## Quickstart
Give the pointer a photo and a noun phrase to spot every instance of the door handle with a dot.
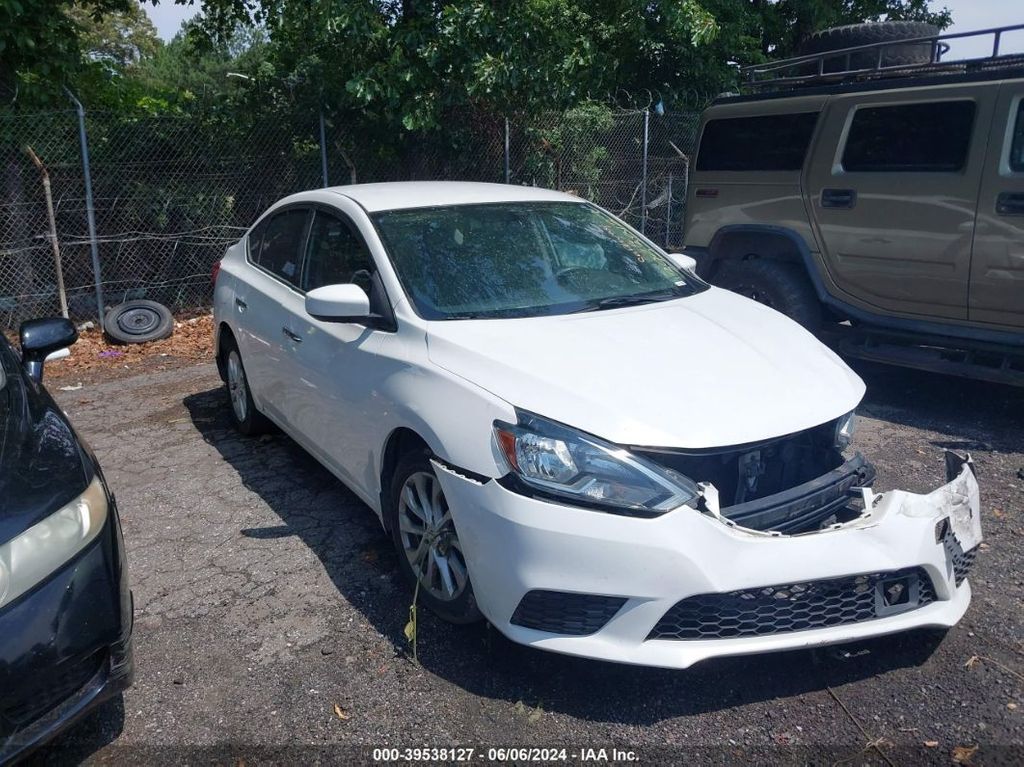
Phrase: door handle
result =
(838, 198)
(1010, 204)
(242, 306)
(292, 336)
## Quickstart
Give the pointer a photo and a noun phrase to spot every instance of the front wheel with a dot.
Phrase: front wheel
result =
(781, 286)
(423, 532)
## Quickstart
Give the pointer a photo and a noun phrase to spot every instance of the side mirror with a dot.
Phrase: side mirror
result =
(684, 262)
(338, 303)
(41, 338)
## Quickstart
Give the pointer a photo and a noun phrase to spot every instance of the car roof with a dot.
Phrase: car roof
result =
(398, 195)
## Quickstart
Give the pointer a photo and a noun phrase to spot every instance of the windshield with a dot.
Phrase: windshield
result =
(524, 260)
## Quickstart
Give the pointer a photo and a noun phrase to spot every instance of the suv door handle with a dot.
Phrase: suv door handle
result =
(242, 306)
(1010, 204)
(293, 336)
(838, 198)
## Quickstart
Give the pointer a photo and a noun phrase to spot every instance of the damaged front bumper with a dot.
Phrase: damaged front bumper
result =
(687, 586)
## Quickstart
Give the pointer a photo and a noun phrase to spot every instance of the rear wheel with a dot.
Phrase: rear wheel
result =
(776, 284)
(247, 418)
(429, 550)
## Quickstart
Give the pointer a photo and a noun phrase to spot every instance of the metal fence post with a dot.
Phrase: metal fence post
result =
(323, 148)
(90, 212)
(668, 213)
(508, 166)
(643, 180)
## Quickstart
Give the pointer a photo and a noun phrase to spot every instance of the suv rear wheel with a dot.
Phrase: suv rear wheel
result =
(783, 287)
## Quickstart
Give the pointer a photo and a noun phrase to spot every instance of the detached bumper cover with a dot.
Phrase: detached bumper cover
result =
(898, 566)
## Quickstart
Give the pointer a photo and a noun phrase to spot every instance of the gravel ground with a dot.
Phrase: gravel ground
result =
(269, 613)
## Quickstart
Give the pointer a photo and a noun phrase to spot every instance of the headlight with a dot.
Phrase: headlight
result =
(845, 427)
(43, 548)
(570, 465)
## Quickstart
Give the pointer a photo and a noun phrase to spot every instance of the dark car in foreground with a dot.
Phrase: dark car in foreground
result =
(65, 606)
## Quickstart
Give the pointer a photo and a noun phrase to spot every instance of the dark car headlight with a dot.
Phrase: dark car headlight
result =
(35, 554)
(578, 467)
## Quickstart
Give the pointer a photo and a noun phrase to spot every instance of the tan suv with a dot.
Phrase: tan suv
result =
(879, 204)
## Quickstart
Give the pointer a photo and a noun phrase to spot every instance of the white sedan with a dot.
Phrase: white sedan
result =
(566, 432)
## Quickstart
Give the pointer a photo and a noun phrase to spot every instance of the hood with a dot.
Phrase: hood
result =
(710, 370)
(42, 464)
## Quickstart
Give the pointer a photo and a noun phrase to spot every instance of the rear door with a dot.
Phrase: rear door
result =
(893, 190)
(275, 258)
(997, 269)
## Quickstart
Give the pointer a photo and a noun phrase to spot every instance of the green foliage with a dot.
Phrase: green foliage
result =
(571, 147)
(40, 45)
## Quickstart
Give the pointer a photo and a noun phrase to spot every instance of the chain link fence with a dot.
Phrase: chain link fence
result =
(169, 194)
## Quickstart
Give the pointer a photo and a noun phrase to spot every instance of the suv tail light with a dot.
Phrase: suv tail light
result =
(215, 271)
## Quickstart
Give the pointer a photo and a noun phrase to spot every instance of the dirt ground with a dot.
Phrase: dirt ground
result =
(269, 614)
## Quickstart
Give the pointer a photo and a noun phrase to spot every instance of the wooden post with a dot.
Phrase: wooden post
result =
(58, 268)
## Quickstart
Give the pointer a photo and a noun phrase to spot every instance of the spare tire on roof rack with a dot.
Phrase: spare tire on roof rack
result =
(853, 35)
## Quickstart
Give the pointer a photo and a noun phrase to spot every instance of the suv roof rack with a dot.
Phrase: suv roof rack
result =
(845, 65)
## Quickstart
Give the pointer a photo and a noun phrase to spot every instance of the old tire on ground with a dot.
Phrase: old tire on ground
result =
(852, 35)
(428, 547)
(136, 322)
(782, 286)
(248, 420)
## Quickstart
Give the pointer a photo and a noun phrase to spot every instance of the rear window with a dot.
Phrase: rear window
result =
(769, 142)
(1017, 145)
(276, 244)
(910, 138)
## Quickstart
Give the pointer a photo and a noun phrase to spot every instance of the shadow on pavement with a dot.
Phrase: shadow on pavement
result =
(990, 415)
(97, 730)
(357, 555)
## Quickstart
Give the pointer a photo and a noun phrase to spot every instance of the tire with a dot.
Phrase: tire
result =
(781, 286)
(852, 35)
(136, 322)
(247, 419)
(422, 509)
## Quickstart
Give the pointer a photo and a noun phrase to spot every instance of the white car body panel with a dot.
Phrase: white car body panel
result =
(710, 370)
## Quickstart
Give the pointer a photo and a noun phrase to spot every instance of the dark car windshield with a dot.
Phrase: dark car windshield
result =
(523, 260)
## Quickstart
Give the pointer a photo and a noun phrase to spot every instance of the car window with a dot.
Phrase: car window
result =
(930, 137)
(280, 248)
(768, 142)
(335, 255)
(524, 259)
(1017, 144)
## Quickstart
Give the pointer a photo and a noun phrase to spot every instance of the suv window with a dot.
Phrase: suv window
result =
(335, 255)
(1017, 145)
(768, 142)
(280, 239)
(910, 138)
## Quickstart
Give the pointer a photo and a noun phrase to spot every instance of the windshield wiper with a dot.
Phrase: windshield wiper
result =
(616, 302)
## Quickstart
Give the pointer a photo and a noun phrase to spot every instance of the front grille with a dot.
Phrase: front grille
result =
(52, 689)
(743, 473)
(560, 612)
(961, 560)
(796, 607)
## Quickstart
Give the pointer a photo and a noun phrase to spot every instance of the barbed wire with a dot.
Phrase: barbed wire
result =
(171, 193)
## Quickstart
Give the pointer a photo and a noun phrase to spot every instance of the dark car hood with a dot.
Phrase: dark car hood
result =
(42, 464)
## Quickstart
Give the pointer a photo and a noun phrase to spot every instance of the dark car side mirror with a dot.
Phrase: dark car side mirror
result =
(41, 338)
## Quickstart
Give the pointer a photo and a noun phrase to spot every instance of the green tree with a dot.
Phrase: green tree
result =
(40, 45)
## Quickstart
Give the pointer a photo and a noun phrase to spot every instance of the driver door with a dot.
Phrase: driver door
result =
(337, 366)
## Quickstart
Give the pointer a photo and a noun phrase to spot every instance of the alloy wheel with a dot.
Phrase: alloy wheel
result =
(236, 386)
(429, 539)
